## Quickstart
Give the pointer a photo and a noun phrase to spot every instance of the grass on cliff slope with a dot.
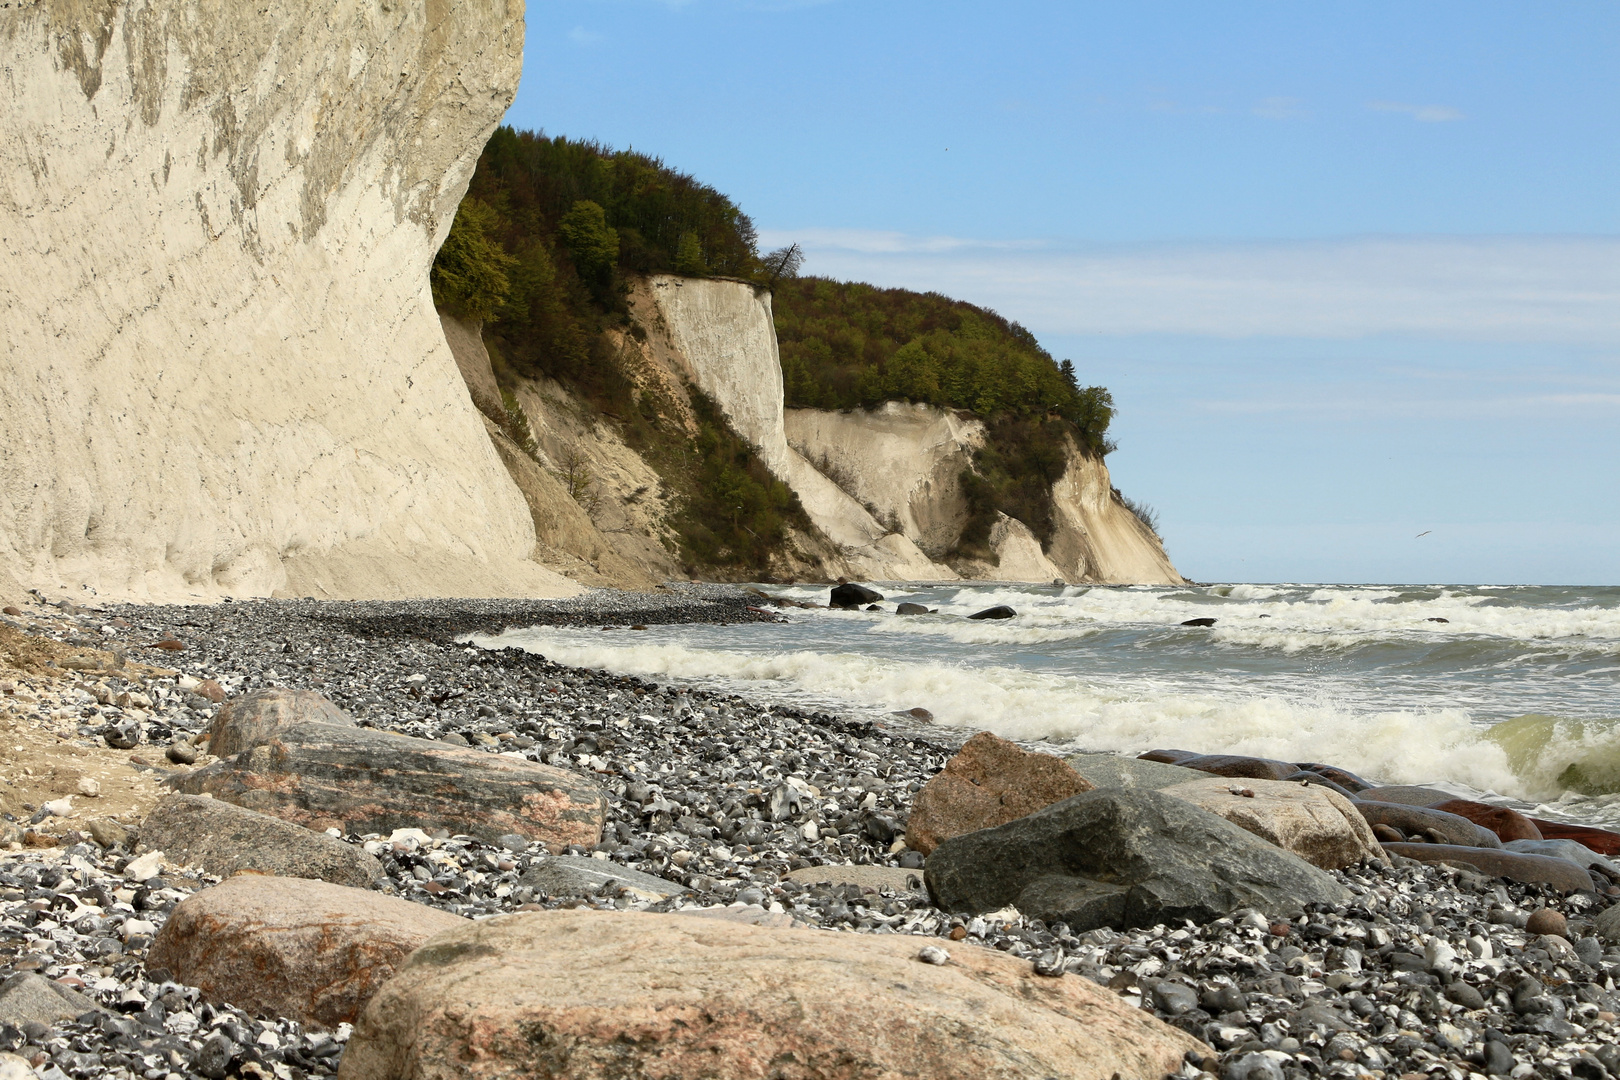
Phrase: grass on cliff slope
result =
(543, 248)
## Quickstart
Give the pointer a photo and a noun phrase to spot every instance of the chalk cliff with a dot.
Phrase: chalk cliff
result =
(903, 462)
(221, 368)
(1096, 538)
(723, 336)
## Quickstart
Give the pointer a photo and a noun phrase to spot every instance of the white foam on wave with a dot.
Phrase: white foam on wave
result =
(1288, 620)
(1126, 716)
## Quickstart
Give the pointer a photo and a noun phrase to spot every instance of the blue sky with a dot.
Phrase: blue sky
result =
(1351, 272)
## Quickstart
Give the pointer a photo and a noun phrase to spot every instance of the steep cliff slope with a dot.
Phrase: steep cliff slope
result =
(1096, 538)
(221, 368)
(903, 462)
(722, 334)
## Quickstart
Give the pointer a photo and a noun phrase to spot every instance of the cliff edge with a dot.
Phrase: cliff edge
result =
(222, 371)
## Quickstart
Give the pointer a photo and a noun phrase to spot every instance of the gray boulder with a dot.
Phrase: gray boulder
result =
(29, 997)
(1120, 858)
(580, 875)
(1113, 771)
(221, 839)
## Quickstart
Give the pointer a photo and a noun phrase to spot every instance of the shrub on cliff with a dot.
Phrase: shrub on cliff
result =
(470, 275)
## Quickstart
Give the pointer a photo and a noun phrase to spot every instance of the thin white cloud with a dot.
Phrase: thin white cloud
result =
(583, 37)
(1281, 108)
(1554, 289)
(1427, 114)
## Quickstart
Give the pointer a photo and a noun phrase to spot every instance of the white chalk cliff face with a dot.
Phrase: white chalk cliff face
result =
(725, 336)
(222, 372)
(884, 485)
(1095, 538)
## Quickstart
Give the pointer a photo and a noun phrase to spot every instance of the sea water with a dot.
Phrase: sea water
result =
(1511, 693)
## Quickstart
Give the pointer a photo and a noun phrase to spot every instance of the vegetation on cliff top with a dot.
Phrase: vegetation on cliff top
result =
(541, 252)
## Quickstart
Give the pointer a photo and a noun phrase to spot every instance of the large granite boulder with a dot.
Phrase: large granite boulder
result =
(220, 838)
(259, 717)
(590, 995)
(989, 782)
(1315, 823)
(309, 950)
(323, 775)
(1427, 824)
(1561, 874)
(1121, 858)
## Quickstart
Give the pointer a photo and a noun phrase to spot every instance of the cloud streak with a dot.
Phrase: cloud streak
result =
(1518, 289)
(1426, 114)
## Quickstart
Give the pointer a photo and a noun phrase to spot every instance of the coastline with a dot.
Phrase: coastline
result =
(1349, 992)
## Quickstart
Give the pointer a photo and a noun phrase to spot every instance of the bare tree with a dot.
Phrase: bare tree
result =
(782, 263)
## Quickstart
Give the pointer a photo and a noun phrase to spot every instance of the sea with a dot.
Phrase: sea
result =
(1506, 693)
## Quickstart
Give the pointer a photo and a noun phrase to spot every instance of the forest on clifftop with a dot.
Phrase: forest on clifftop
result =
(542, 251)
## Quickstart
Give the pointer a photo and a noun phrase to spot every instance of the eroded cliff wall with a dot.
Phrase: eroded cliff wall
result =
(1096, 538)
(723, 335)
(221, 368)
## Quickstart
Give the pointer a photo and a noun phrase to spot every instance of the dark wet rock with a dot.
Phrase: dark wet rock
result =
(1236, 765)
(1304, 776)
(989, 782)
(1168, 757)
(1113, 771)
(221, 839)
(574, 875)
(1000, 611)
(1423, 820)
(1407, 795)
(1505, 823)
(849, 596)
(1122, 858)
(1602, 841)
(1537, 869)
(911, 609)
(360, 780)
(1568, 850)
(1343, 777)
(1205, 621)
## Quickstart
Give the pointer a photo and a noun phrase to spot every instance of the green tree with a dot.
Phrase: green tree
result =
(592, 243)
(469, 276)
(689, 256)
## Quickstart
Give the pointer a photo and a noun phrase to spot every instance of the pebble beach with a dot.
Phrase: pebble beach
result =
(738, 807)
